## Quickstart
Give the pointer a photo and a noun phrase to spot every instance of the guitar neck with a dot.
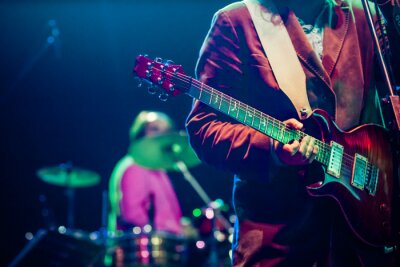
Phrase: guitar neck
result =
(248, 115)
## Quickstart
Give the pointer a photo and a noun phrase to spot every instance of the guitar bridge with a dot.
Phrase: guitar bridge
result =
(372, 182)
(335, 160)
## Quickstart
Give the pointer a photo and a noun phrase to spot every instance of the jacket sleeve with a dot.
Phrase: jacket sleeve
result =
(217, 139)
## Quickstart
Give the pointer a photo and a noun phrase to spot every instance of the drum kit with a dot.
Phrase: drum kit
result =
(147, 247)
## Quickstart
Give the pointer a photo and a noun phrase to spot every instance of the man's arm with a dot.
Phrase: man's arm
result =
(217, 139)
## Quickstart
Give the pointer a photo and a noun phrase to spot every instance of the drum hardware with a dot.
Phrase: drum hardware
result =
(70, 177)
(46, 212)
(163, 151)
(59, 247)
(214, 213)
(146, 248)
(172, 152)
(215, 240)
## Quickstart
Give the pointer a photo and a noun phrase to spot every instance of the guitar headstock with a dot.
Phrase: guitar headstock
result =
(162, 75)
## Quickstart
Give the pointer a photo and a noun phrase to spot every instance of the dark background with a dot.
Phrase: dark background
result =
(74, 100)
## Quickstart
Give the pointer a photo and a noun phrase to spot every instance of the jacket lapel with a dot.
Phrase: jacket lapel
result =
(331, 50)
(336, 35)
(303, 48)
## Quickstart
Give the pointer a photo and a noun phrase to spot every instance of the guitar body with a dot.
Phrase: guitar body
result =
(369, 216)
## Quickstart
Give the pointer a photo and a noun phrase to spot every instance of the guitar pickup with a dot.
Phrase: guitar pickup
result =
(359, 171)
(335, 160)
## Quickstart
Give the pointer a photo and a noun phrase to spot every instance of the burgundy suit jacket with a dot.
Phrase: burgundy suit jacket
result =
(277, 221)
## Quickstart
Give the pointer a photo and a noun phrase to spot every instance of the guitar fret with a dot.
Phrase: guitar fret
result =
(214, 103)
(263, 125)
(281, 133)
(242, 114)
(204, 97)
(201, 89)
(268, 128)
(220, 102)
(325, 154)
(274, 129)
(256, 121)
(286, 136)
(223, 106)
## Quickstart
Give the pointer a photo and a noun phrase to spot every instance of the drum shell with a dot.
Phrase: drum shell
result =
(153, 249)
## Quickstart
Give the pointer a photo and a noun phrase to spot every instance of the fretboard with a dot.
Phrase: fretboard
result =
(249, 116)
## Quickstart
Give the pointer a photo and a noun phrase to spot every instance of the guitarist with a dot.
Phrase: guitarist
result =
(279, 224)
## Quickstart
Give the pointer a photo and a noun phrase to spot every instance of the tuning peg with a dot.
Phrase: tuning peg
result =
(158, 60)
(160, 80)
(151, 89)
(139, 81)
(163, 97)
(175, 70)
(169, 62)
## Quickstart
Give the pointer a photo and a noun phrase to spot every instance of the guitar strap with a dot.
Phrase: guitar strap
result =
(281, 54)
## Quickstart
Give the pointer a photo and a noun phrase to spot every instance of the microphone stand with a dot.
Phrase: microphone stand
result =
(391, 98)
(213, 258)
(70, 194)
(392, 101)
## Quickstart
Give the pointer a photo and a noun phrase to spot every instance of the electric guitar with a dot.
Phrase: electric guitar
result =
(356, 167)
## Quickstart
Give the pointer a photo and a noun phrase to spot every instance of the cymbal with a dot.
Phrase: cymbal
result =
(163, 151)
(68, 176)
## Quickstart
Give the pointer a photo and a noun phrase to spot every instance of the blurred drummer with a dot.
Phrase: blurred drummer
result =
(140, 196)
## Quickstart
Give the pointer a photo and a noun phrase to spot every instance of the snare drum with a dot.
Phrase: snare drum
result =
(153, 249)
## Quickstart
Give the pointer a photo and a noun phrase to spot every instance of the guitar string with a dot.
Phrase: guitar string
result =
(347, 160)
(275, 123)
(204, 87)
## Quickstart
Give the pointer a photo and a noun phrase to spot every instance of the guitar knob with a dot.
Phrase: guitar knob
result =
(175, 70)
(163, 97)
(383, 208)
